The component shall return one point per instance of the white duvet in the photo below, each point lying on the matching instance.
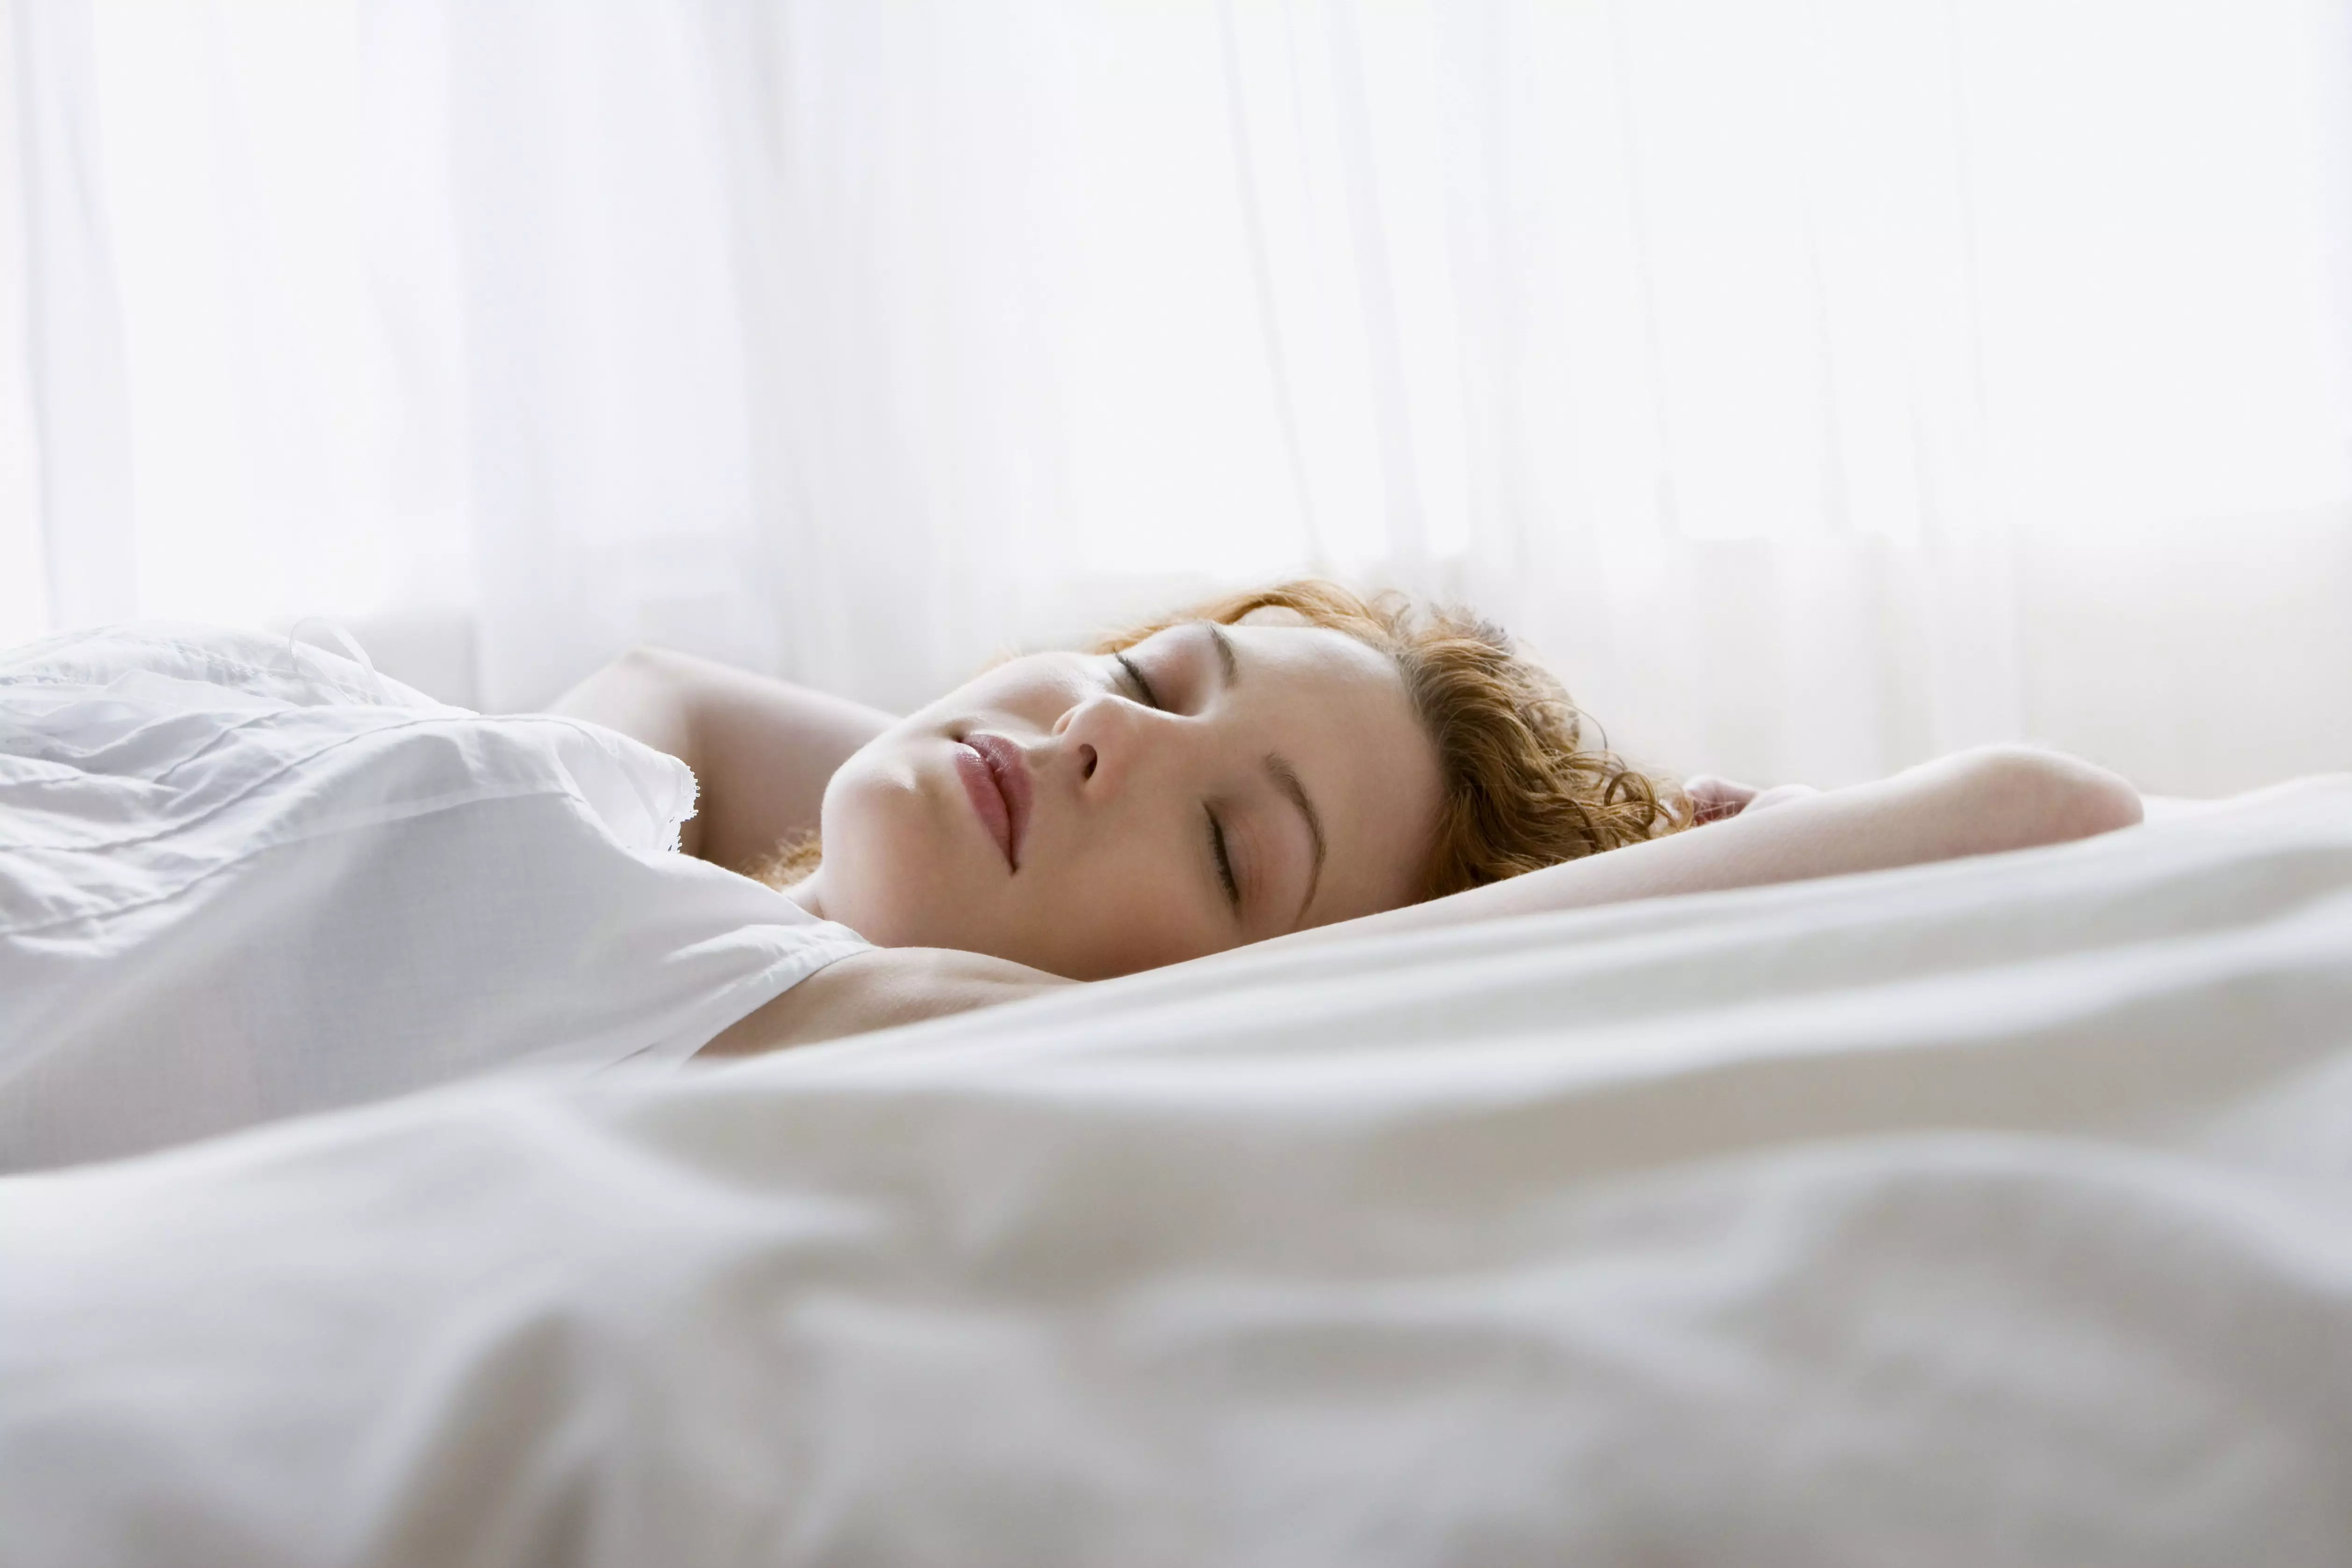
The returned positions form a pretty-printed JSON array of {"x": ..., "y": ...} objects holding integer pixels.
[{"x": 1993, "y": 1213}]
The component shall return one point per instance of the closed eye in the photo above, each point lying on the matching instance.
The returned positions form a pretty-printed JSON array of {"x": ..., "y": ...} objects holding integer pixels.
[
  {"x": 1150, "y": 697},
  {"x": 1219, "y": 854},
  {"x": 1224, "y": 862}
]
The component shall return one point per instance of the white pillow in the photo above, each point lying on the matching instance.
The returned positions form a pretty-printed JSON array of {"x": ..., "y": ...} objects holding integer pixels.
[{"x": 239, "y": 880}]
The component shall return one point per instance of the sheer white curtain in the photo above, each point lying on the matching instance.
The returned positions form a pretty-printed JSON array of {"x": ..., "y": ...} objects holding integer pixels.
[{"x": 1819, "y": 385}]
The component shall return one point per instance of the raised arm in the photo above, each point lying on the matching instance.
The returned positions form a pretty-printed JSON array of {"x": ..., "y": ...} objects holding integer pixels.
[
  {"x": 761, "y": 749},
  {"x": 1970, "y": 803}
]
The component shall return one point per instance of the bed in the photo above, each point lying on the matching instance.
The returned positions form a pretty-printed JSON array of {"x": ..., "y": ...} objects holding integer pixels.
[{"x": 1994, "y": 1212}]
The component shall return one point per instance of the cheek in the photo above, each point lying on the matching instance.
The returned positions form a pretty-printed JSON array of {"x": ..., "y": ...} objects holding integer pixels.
[
  {"x": 1034, "y": 689},
  {"x": 1119, "y": 912},
  {"x": 897, "y": 872}
]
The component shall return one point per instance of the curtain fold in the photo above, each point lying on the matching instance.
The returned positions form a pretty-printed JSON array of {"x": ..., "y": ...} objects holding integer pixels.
[
  {"x": 73, "y": 377},
  {"x": 1819, "y": 386},
  {"x": 24, "y": 567}
]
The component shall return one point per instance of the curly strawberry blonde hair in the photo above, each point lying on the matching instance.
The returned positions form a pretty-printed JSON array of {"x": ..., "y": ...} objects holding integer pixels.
[{"x": 1523, "y": 789}]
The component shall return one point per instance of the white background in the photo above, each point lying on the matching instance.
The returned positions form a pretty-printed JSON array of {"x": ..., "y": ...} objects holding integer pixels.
[{"x": 1819, "y": 386}]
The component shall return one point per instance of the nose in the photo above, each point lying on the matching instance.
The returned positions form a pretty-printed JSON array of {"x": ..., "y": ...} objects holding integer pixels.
[{"x": 1104, "y": 735}]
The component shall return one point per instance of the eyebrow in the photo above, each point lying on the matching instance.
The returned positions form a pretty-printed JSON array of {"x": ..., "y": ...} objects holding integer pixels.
[
  {"x": 1228, "y": 664},
  {"x": 1286, "y": 778}
]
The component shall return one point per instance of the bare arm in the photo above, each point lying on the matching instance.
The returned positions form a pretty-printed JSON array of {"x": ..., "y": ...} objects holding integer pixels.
[
  {"x": 1978, "y": 802},
  {"x": 1970, "y": 803},
  {"x": 761, "y": 749}
]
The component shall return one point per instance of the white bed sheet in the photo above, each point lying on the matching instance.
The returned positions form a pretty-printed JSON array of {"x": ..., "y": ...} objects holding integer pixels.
[{"x": 1992, "y": 1213}]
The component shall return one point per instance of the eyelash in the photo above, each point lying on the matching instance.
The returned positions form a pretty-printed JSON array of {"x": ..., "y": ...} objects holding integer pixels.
[
  {"x": 1217, "y": 830},
  {"x": 1224, "y": 862},
  {"x": 1149, "y": 696}
]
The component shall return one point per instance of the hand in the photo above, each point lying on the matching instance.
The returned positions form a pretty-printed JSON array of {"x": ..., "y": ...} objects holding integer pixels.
[{"x": 1714, "y": 799}]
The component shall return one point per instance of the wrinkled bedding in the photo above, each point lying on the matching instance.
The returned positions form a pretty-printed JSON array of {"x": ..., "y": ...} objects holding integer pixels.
[
  {"x": 1996, "y": 1212},
  {"x": 241, "y": 881}
]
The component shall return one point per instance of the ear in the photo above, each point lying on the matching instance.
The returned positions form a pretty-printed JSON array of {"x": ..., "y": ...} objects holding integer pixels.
[{"x": 1273, "y": 615}]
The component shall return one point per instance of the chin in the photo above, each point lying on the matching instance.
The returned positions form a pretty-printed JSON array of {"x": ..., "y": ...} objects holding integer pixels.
[{"x": 893, "y": 872}]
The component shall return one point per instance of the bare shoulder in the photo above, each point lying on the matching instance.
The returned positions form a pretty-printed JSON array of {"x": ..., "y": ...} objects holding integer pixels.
[
  {"x": 881, "y": 989},
  {"x": 2040, "y": 796}
]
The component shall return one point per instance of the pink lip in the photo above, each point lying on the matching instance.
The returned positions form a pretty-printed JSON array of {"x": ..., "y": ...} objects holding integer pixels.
[{"x": 996, "y": 776}]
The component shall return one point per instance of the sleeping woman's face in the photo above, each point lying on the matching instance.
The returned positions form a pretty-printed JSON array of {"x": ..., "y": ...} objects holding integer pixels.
[{"x": 1091, "y": 815}]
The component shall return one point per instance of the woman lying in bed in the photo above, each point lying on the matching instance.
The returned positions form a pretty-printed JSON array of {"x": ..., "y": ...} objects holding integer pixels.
[{"x": 1279, "y": 765}]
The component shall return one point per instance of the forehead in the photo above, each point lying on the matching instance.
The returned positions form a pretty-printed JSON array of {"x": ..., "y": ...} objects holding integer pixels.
[
  {"x": 1338, "y": 713},
  {"x": 1316, "y": 663}
]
